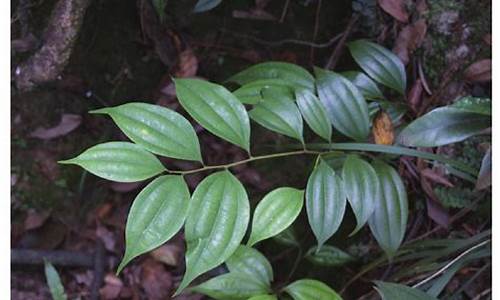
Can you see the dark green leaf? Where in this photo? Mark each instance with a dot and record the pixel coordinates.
(308, 289)
(205, 5)
(157, 129)
(380, 64)
(264, 297)
(484, 177)
(328, 256)
(118, 161)
(294, 74)
(247, 260)
(365, 84)
(251, 93)
(156, 215)
(325, 202)
(287, 237)
(346, 107)
(394, 291)
(474, 105)
(232, 286)
(314, 112)
(388, 221)
(275, 212)
(278, 113)
(361, 187)
(395, 110)
(443, 125)
(54, 281)
(216, 222)
(216, 109)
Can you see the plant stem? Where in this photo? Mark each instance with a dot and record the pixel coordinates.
(254, 158)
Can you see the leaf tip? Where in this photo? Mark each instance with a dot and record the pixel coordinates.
(71, 161)
(99, 111)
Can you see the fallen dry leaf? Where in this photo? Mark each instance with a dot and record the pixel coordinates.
(253, 14)
(124, 187)
(169, 254)
(155, 280)
(487, 39)
(435, 177)
(435, 209)
(68, 123)
(395, 8)
(415, 95)
(187, 64)
(35, 219)
(480, 71)
(383, 131)
(46, 163)
(107, 237)
(112, 287)
(409, 39)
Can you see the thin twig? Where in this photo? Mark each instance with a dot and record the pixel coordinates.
(284, 41)
(285, 11)
(332, 61)
(244, 161)
(448, 265)
(315, 32)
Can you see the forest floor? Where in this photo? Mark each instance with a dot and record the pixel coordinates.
(124, 53)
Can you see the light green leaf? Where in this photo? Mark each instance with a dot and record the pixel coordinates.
(251, 93)
(294, 74)
(205, 5)
(216, 223)
(156, 215)
(309, 289)
(314, 112)
(278, 113)
(388, 221)
(362, 188)
(346, 107)
(275, 212)
(249, 261)
(443, 125)
(54, 281)
(216, 109)
(394, 291)
(365, 84)
(328, 256)
(380, 64)
(325, 202)
(474, 105)
(118, 161)
(232, 286)
(157, 129)
(264, 297)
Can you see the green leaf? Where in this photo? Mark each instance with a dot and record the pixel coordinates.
(156, 215)
(388, 221)
(314, 112)
(344, 103)
(380, 64)
(362, 188)
(474, 105)
(251, 93)
(264, 297)
(443, 125)
(205, 5)
(484, 177)
(365, 84)
(393, 150)
(394, 291)
(159, 6)
(275, 212)
(308, 289)
(55, 286)
(232, 286)
(249, 261)
(118, 161)
(395, 110)
(278, 113)
(216, 109)
(216, 223)
(328, 256)
(157, 129)
(325, 202)
(294, 74)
